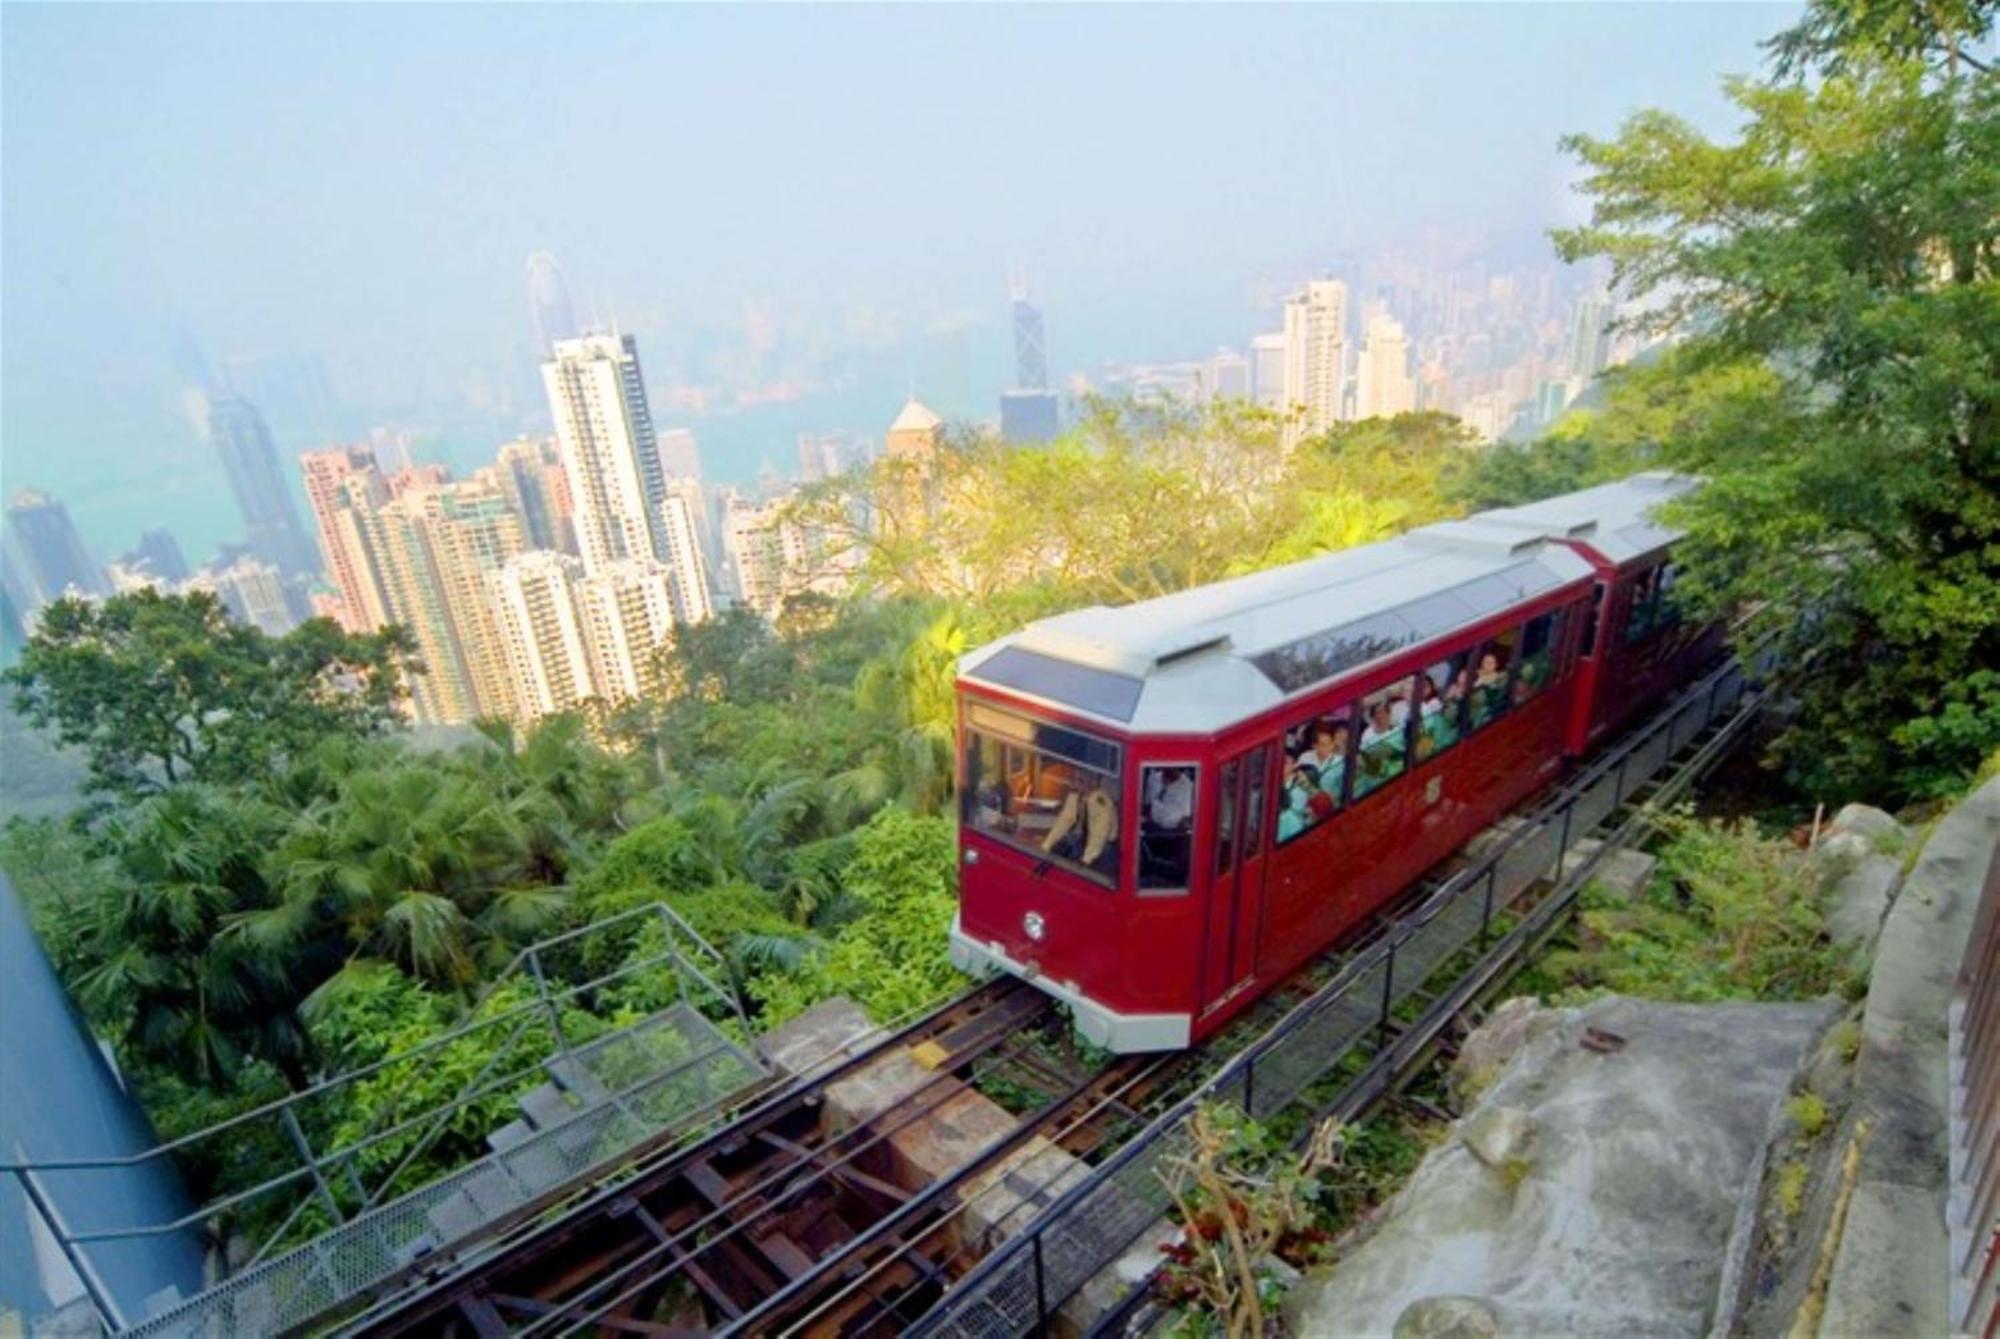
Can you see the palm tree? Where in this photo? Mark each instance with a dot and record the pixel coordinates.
(170, 944)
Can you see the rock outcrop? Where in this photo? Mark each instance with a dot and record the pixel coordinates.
(1592, 1190)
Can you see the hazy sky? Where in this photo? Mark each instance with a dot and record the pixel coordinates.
(365, 182)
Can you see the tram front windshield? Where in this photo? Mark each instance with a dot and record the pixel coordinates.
(1044, 788)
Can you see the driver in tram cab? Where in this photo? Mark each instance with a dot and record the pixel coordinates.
(1094, 840)
(1171, 806)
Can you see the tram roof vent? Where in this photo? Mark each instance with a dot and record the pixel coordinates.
(1479, 535)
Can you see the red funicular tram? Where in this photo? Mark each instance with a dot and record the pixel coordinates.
(1170, 806)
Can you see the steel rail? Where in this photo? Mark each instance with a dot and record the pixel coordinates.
(638, 1177)
(939, 1090)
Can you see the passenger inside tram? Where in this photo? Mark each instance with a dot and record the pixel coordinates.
(1489, 685)
(1328, 755)
(1384, 738)
(1440, 702)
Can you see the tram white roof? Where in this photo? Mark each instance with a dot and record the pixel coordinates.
(1201, 659)
(1616, 518)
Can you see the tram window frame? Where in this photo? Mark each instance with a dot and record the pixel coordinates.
(1641, 610)
(1550, 625)
(1592, 617)
(991, 808)
(1255, 784)
(1505, 645)
(1183, 836)
(1297, 743)
(1451, 693)
(1398, 737)
(1225, 818)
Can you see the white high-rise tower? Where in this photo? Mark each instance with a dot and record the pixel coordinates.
(1383, 387)
(1315, 356)
(623, 508)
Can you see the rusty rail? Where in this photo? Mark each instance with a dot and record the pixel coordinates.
(1973, 1210)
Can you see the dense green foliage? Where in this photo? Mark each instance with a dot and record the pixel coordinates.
(159, 689)
(1731, 914)
(1838, 269)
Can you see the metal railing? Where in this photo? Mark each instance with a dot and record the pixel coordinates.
(1973, 1198)
(355, 1207)
(1017, 1288)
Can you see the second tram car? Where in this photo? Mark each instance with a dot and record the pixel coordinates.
(1170, 806)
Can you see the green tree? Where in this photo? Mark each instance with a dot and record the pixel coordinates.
(891, 957)
(164, 952)
(1834, 267)
(160, 689)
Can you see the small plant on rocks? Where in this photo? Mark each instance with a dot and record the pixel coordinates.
(1249, 1213)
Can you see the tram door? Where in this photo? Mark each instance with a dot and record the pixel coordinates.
(1236, 893)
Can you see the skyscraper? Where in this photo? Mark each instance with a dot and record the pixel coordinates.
(686, 568)
(1383, 387)
(1588, 348)
(1031, 355)
(1028, 410)
(254, 592)
(533, 600)
(1228, 375)
(1315, 357)
(1267, 370)
(548, 296)
(1029, 416)
(271, 523)
(531, 471)
(159, 553)
(627, 611)
(604, 428)
(49, 558)
(339, 481)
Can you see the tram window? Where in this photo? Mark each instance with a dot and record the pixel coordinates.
(1225, 821)
(1440, 714)
(1315, 785)
(1669, 611)
(1592, 613)
(1384, 749)
(1051, 791)
(1539, 640)
(1166, 826)
(1253, 801)
(1492, 664)
(1639, 620)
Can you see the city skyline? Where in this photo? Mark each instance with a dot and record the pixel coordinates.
(397, 296)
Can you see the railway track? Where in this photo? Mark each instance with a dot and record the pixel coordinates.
(793, 1220)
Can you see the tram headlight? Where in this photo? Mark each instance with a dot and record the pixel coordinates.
(1034, 925)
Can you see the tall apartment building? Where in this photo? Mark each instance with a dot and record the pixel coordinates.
(604, 429)
(1267, 370)
(1316, 357)
(338, 480)
(766, 553)
(532, 473)
(413, 549)
(1383, 386)
(624, 509)
(271, 523)
(533, 600)
(627, 612)
(1228, 376)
